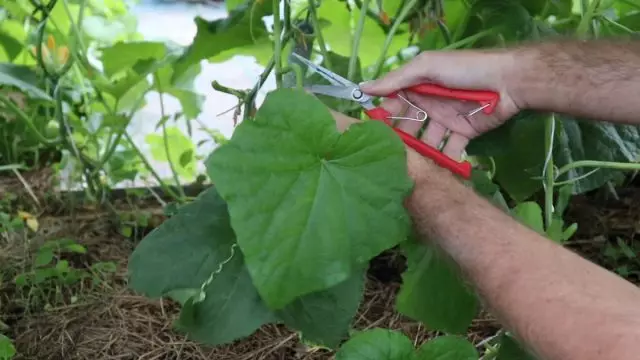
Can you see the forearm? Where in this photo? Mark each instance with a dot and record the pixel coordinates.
(560, 305)
(595, 79)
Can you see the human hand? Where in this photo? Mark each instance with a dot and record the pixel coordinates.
(462, 69)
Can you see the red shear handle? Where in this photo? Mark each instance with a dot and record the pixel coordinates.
(484, 97)
(461, 168)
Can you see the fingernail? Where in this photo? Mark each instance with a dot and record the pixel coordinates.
(366, 83)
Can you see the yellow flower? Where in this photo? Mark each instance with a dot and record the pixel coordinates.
(52, 54)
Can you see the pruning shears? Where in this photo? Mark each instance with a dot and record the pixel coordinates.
(344, 89)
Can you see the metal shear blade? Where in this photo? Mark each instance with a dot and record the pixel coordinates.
(332, 77)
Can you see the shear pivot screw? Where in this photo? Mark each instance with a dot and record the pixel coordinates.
(356, 94)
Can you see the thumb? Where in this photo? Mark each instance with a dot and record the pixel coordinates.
(401, 78)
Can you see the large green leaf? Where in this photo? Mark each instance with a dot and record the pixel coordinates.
(22, 77)
(509, 18)
(310, 205)
(183, 253)
(447, 348)
(377, 344)
(581, 139)
(433, 291)
(519, 152)
(324, 317)
(243, 27)
(230, 310)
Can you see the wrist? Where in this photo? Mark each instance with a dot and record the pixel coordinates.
(523, 77)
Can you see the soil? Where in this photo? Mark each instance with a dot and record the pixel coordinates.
(105, 320)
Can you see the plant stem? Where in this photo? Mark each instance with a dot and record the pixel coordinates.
(356, 39)
(74, 25)
(277, 39)
(616, 24)
(146, 163)
(600, 164)
(394, 28)
(250, 98)
(227, 90)
(587, 16)
(287, 16)
(571, 181)
(27, 121)
(469, 39)
(318, 33)
(11, 167)
(297, 69)
(107, 155)
(549, 177)
(165, 137)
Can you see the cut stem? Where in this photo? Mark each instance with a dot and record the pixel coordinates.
(318, 33)
(356, 39)
(392, 32)
(549, 177)
(277, 39)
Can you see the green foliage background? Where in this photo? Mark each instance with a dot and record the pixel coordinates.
(218, 254)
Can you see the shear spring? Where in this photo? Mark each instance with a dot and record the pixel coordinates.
(421, 115)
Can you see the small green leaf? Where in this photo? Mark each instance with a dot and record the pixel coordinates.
(44, 257)
(310, 205)
(24, 78)
(377, 344)
(76, 248)
(448, 347)
(114, 121)
(7, 350)
(127, 55)
(530, 214)
(62, 266)
(178, 144)
(433, 290)
(626, 249)
(510, 349)
(182, 88)
(11, 45)
(186, 157)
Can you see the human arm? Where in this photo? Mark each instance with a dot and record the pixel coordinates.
(559, 304)
(597, 79)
